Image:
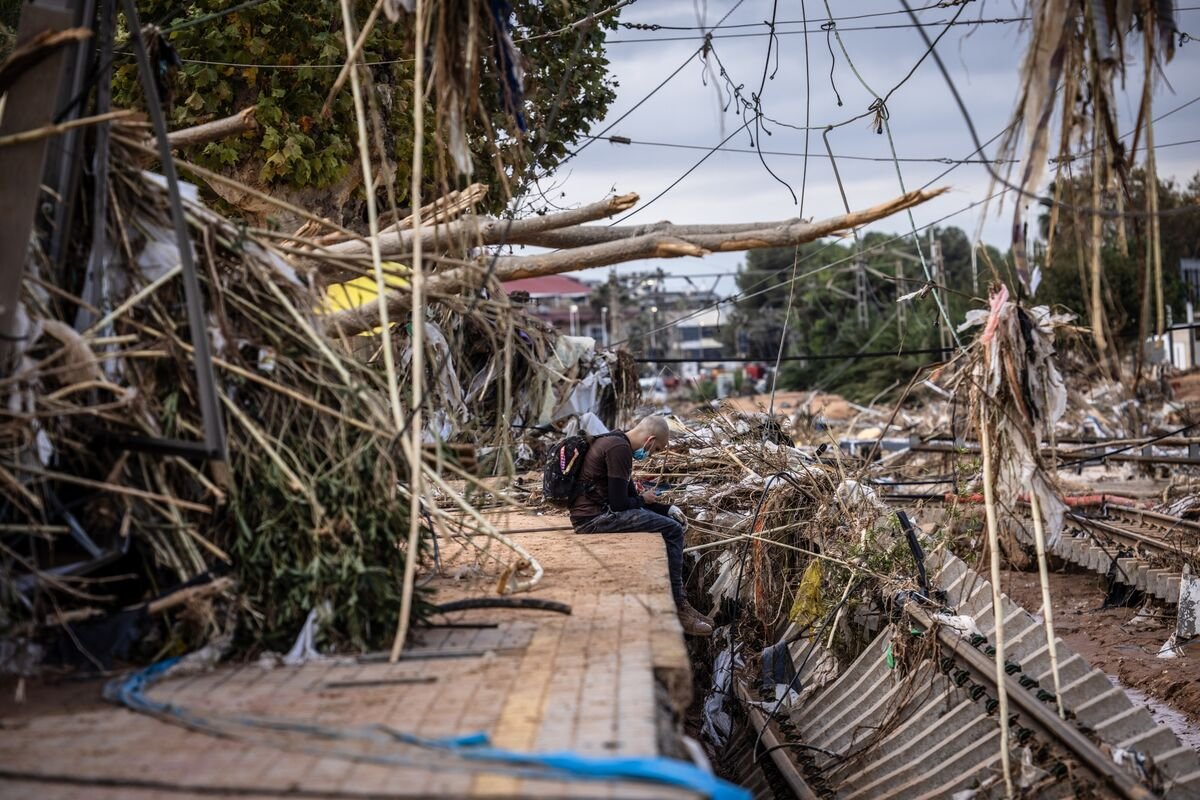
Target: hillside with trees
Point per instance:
(838, 309)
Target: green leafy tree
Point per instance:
(825, 313)
(1066, 279)
(284, 57)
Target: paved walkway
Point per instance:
(601, 681)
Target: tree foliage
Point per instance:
(825, 309)
(1066, 279)
(284, 57)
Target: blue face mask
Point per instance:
(640, 454)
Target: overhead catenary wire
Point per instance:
(743, 294)
(802, 21)
(624, 140)
(650, 26)
(813, 31)
(747, 293)
(787, 315)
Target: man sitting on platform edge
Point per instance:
(610, 503)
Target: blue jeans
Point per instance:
(643, 520)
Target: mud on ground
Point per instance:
(1119, 640)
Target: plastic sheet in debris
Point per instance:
(1187, 623)
(718, 723)
(962, 624)
(808, 607)
(160, 254)
(304, 649)
(857, 495)
(559, 367)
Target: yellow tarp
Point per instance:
(807, 606)
(362, 291)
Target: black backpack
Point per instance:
(561, 482)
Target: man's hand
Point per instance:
(649, 496)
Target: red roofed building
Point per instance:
(562, 302)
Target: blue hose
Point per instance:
(475, 747)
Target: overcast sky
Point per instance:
(925, 123)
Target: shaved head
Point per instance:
(655, 428)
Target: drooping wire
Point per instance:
(828, 28)
(748, 292)
(772, 44)
(787, 315)
(879, 108)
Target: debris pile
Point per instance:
(308, 505)
(108, 506)
(815, 538)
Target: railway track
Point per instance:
(1142, 549)
(914, 715)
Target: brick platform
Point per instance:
(600, 681)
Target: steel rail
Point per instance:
(1118, 532)
(774, 746)
(1082, 458)
(1035, 714)
(1169, 522)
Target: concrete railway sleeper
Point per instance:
(914, 715)
(1143, 552)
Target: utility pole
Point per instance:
(901, 289)
(860, 292)
(614, 306)
(939, 277)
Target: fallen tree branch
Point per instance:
(665, 241)
(488, 230)
(54, 130)
(444, 209)
(233, 125)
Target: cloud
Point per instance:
(924, 120)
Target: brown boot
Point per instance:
(694, 623)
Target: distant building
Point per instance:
(562, 302)
(1189, 270)
(696, 335)
(1179, 346)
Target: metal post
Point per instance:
(860, 292)
(67, 158)
(939, 277)
(95, 282)
(29, 104)
(210, 410)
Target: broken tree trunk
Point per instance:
(441, 211)
(602, 246)
(472, 231)
(233, 125)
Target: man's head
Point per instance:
(649, 436)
